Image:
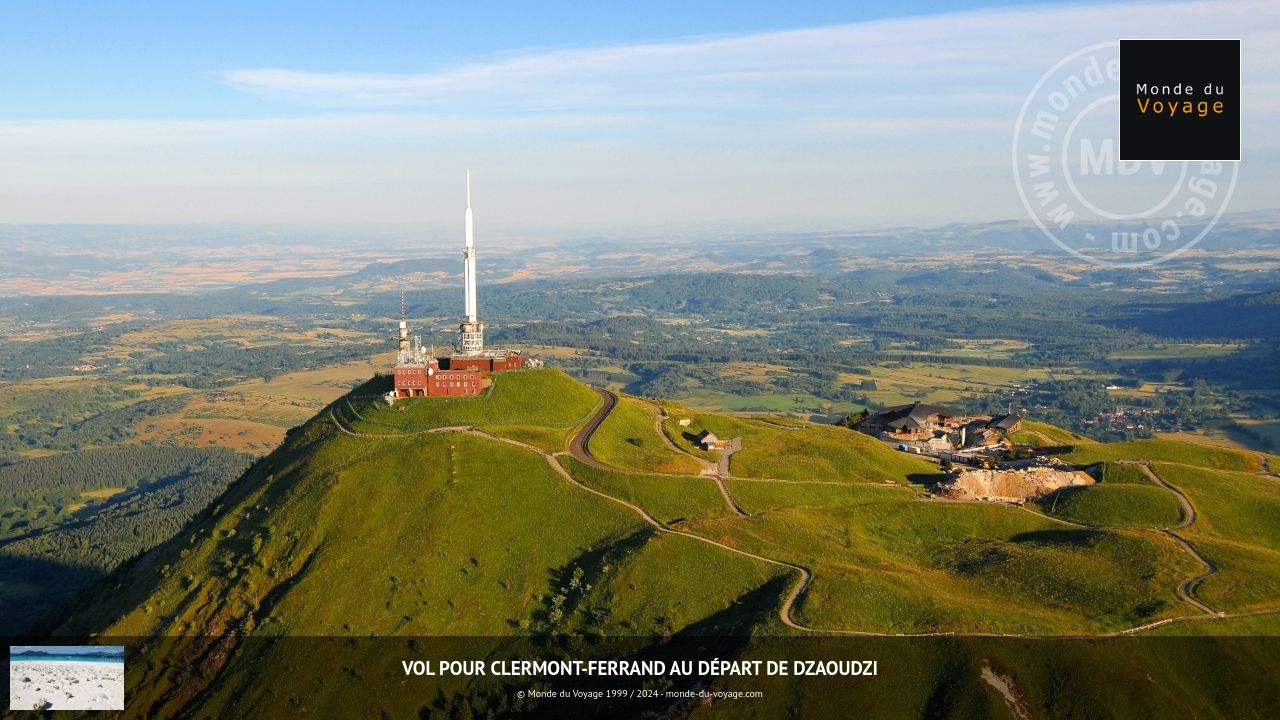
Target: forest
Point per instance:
(68, 519)
(41, 427)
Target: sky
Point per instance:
(65, 649)
(574, 118)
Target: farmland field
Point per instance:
(900, 383)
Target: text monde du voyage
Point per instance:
(1179, 99)
(648, 668)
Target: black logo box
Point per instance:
(1205, 73)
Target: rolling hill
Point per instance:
(493, 521)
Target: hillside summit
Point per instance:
(545, 508)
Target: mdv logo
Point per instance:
(1082, 196)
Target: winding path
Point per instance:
(579, 447)
(1188, 586)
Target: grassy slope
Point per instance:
(880, 556)
(628, 439)
(1058, 680)
(1166, 451)
(338, 535)
(1238, 529)
(883, 560)
(379, 536)
(668, 499)
(757, 496)
(1114, 473)
(549, 439)
(808, 452)
(1260, 625)
(341, 535)
(1116, 505)
(1033, 433)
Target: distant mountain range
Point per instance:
(105, 652)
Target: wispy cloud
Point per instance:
(903, 119)
(954, 57)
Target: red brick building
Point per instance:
(428, 380)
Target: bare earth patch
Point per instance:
(1003, 684)
(1012, 486)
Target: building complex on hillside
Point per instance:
(934, 429)
(419, 373)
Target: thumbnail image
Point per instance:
(66, 677)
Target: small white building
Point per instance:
(708, 441)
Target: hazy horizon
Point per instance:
(828, 121)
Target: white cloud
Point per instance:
(836, 126)
(962, 55)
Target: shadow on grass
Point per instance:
(926, 478)
(569, 583)
(1073, 538)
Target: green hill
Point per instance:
(627, 440)
(377, 525)
(1237, 529)
(363, 535)
(1169, 451)
(540, 407)
(1038, 433)
(1118, 505)
(798, 450)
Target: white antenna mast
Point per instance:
(469, 258)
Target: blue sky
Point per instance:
(65, 649)
(147, 60)
(575, 118)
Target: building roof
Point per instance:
(706, 436)
(1004, 422)
(499, 352)
(907, 417)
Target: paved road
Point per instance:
(803, 574)
(731, 447)
(578, 445)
